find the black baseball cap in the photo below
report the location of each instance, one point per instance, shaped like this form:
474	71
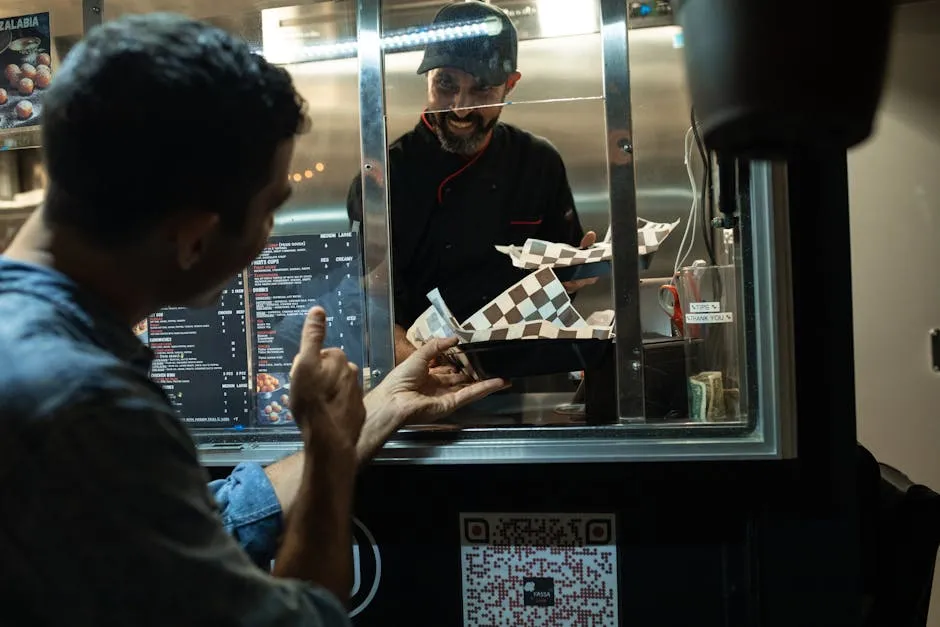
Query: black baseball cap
488	52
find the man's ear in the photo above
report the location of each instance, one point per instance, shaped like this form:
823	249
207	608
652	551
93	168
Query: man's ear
189	233
514	78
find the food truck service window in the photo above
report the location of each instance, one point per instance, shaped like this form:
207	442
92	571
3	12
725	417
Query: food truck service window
528	175
226	368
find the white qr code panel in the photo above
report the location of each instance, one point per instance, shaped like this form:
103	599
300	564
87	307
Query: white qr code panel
539	570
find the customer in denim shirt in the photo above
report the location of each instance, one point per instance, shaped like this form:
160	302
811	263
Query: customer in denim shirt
167	145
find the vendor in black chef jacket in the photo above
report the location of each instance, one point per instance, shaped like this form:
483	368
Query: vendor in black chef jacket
463	182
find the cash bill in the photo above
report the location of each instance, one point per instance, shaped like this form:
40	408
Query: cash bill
707	397
716	396
698	399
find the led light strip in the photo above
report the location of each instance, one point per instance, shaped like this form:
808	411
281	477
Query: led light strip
403	40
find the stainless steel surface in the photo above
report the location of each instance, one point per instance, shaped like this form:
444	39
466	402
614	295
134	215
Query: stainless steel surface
375	228
91	13
552	68
574	445
560	98
623	210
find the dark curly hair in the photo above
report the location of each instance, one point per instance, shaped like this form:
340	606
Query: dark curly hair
158	113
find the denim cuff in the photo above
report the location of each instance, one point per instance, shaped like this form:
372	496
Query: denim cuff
250	511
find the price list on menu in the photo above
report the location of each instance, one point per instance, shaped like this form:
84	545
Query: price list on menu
291	275
201	360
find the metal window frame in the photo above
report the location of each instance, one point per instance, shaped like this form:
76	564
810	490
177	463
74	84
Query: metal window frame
772	373
92	10
375	231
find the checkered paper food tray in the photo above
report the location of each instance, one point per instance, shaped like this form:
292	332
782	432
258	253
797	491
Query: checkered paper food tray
536	253
537	307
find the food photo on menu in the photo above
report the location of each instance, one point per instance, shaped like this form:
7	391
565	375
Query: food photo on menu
26	58
141	330
273	398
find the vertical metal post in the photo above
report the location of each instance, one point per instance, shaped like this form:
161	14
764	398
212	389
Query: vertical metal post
622	184
91	14
375	215
10	183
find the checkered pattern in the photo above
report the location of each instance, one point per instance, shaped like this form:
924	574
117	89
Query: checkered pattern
536	253
429	325
538	297
651	235
535	307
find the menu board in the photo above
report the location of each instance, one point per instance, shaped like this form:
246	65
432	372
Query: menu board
291	275
229	366
200	359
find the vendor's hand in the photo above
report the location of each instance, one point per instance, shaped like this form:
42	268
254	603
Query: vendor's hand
326	398
573	286
416	392
589	239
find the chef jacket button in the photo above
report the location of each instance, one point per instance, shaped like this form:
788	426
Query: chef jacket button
493	187
448	246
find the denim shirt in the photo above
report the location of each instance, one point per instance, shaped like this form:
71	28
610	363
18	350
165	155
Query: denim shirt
106	516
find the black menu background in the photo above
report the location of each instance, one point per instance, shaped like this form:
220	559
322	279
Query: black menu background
203	356
200	359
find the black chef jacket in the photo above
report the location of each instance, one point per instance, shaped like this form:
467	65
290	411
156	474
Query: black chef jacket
448	213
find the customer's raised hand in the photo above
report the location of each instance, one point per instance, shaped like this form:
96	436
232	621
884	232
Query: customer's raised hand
326	398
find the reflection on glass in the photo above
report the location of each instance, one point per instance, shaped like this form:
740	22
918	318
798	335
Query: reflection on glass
710	322
482	129
227	368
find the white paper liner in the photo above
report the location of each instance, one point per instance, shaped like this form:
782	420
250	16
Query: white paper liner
536	253
537	307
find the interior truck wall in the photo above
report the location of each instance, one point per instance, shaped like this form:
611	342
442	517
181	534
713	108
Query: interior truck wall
895	214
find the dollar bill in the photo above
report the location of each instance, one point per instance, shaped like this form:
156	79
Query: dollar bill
709	404
698	399
716	396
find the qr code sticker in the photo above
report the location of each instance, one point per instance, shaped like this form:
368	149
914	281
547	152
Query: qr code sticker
539	570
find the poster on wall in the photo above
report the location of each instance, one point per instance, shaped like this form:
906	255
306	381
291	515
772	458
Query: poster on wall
26	59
